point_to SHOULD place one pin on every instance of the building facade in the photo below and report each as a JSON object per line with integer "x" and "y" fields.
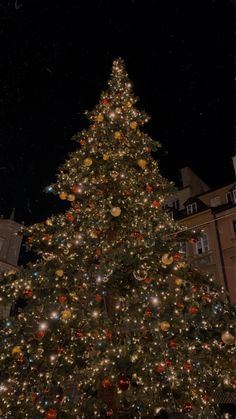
{"x": 213, "y": 213}
{"x": 10, "y": 244}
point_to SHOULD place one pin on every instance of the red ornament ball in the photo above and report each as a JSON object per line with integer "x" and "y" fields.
{"x": 39, "y": 334}
{"x": 187, "y": 407}
{"x": 156, "y": 204}
{"x": 193, "y": 310}
{"x": 159, "y": 369}
{"x": 123, "y": 383}
{"x": 70, "y": 217}
{"x": 28, "y": 293}
{"x": 79, "y": 333}
{"x": 109, "y": 413}
{"x": 20, "y": 360}
{"x": 62, "y": 299}
{"x": 172, "y": 344}
{"x": 188, "y": 366}
{"x": 51, "y": 414}
{"x": 106, "y": 383}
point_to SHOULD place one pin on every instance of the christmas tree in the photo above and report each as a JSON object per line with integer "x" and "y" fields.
{"x": 116, "y": 324}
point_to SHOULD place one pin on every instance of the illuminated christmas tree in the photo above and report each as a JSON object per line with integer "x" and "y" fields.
{"x": 116, "y": 324}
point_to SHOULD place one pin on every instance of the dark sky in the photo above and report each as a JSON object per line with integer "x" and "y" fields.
{"x": 56, "y": 57}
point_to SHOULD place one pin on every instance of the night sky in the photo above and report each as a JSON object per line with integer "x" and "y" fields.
{"x": 56, "y": 57}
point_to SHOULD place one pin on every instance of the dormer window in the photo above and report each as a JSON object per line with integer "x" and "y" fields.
{"x": 191, "y": 208}
{"x": 234, "y": 195}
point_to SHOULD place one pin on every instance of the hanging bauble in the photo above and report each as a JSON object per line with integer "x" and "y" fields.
{"x": 70, "y": 217}
{"x": 76, "y": 189}
{"x": 59, "y": 272}
{"x": 167, "y": 259}
{"x": 115, "y": 211}
{"x": 106, "y": 383}
{"x": 187, "y": 407}
{"x": 159, "y": 369}
{"x": 128, "y": 104}
{"x": 79, "y": 333}
{"x": 193, "y": 309}
{"x": 51, "y": 414}
{"x": 148, "y": 312}
{"x": 98, "y": 297}
{"x": 142, "y": 163}
{"x": 207, "y": 298}
{"x": 123, "y": 382}
{"x": 172, "y": 344}
{"x": 149, "y": 188}
{"x": 227, "y": 338}
{"x": 49, "y": 222}
{"x": 62, "y": 299}
{"x": 133, "y": 125}
{"x": 66, "y": 314}
{"x": 20, "y": 359}
{"x": 88, "y": 162}
{"x": 98, "y": 253}
{"x": 105, "y": 101}
{"x": 179, "y": 281}
{"x": 156, "y": 204}
{"x": 16, "y": 350}
{"x": 82, "y": 142}
{"x": 63, "y": 196}
{"x": 180, "y": 306}
{"x": 93, "y": 234}
{"x": 164, "y": 326}
{"x": 118, "y": 109}
{"x": 100, "y": 117}
{"x": 188, "y": 366}
{"x": 105, "y": 156}
{"x": 109, "y": 413}
{"x": 117, "y": 135}
{"x": 39, "y": 335}
{"x": 71, "y": 197}
{"x": 28, "y": 293}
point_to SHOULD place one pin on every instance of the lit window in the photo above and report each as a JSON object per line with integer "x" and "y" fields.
{"x": 202, "y": 244}
{"x": 191, "y": 208}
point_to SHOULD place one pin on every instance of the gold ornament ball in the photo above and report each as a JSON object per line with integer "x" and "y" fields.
{"x": 227, "y": 338}
{"x": 49, "y": 222}
{"x": 66, "y": 314}
{"x": 164, "y": 326}
{"x": 59, "y": 272}
{"x": 71, "y": 197}
{"x": 167, "y": 259}
{"x": 129, "y": 104}
{"x": 115, "y": 211}
{"x": 179, "y": 281}
{"x": 117, "y": 135}
{"x": 133, "y": 125}
{"x": 142, "y": 163}
{"x": 100, "y": 117}
{"x": 88, "y": 162}
{"x": 63, "y": 196}
{"x": 106, "y": 156}
{"x": 118, "y": 110}
{"x": 16, "y": 350}
{"x": 93, "y": 234}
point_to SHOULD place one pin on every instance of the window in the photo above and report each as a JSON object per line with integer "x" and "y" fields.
{"x": 191, "y": 208}
{"x": 229, "y": 197}
{"x": 183, "y": 249}
{"x": 202, "y": 244}
{"x": 1, "y": 243}
{"x": 215, "y": 202}
{"x": 234, "y": 195}
{"x": 234, "y": 226}
{"x": 175, "y": 204}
